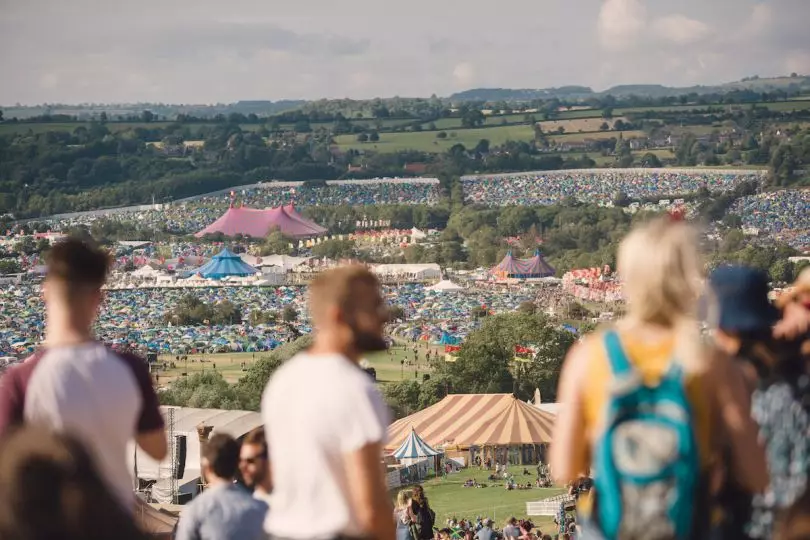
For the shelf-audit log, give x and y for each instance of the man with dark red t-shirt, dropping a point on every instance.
(75, 384)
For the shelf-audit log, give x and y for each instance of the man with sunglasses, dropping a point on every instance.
(253, 465)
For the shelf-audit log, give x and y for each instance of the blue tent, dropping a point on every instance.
(447, 339)
(225, 264)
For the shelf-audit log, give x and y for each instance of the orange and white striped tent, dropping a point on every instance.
(464, 420)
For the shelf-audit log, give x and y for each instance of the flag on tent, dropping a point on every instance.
(452, 348)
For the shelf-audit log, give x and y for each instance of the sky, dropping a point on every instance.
(209, 51)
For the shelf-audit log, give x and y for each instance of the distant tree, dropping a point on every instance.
(441, 135)
(528, 308)
(621, 199)
(619, 125)
(226, 312)
(275, 244)
(607, 113)
(793, 75)
(604, 127)
(302, 126)
(482, 147)
(396, 313)
(10, 266)
(26, 246)
(432, 126)
(101, 118)
(373, 136)
(781, 271)
(650, 160)
(472, 118)
(362, 137)
(147, 116)
(560, 130)
(732, 221)
(289, 314)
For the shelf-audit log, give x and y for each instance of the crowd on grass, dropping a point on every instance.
(597, 186)
(784, 215)
(683, 437)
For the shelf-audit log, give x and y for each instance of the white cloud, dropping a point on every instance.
(620, 23)
(464, 73)
(680, 29)
(760, 21)
(798, 62)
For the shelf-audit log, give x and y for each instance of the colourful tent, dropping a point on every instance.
(536, 267)
(258, 223)
(225, 264)
(414, 448)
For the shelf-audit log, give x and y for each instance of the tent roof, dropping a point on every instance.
(445, 285)
(258, 223)
(225, 264)
(286, 262)
(414, 447)
(536, 267)
(476, 419)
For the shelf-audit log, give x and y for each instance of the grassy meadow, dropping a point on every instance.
(449, 498)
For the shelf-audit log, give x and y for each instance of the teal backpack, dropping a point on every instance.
(646, 465)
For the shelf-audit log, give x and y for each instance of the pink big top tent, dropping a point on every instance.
(536, 267)
(258, 223)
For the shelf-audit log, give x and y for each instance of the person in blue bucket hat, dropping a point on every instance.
(778, 378)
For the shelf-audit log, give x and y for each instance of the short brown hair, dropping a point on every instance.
(338, 287)
(78, 263)
(256, 437)
(222, 453)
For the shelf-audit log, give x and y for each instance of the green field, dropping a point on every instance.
(449, 498)
(426, 141)
(388, 366)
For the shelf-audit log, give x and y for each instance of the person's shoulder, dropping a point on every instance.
(17, 376)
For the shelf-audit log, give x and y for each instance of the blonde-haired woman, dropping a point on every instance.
(404, 516)
(647, 408)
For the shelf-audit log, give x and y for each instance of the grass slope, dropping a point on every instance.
(449, 498)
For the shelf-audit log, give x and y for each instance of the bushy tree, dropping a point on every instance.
(486, 360)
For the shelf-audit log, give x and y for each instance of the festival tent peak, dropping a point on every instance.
(445, 285)
(464, 420)
(225, 264)
(414, 447)
(258, 223)
(536, 267)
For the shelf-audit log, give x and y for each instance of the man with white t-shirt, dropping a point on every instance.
(326, 421)
(76, 385)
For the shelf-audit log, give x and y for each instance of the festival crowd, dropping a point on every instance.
(783, 214)
(683, 438)
(593, 186)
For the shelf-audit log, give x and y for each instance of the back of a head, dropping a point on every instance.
(662, 271)
(221, 452)
(340, 287)
(50, 489)
(77, 264)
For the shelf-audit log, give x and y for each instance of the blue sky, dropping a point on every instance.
(207, 51)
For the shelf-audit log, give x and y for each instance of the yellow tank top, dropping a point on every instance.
(651, 360)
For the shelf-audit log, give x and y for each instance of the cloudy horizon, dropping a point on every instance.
(203, 51)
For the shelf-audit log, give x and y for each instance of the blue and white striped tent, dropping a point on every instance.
(414, 448)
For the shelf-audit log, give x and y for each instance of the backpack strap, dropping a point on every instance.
(619, 363)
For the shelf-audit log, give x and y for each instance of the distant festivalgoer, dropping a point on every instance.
(654, 355)
(225, 510)
(254, 465)
(326, 421)
(425, 516)
(50, 488)
(75, 384)
(404, 517)
(511, 529)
